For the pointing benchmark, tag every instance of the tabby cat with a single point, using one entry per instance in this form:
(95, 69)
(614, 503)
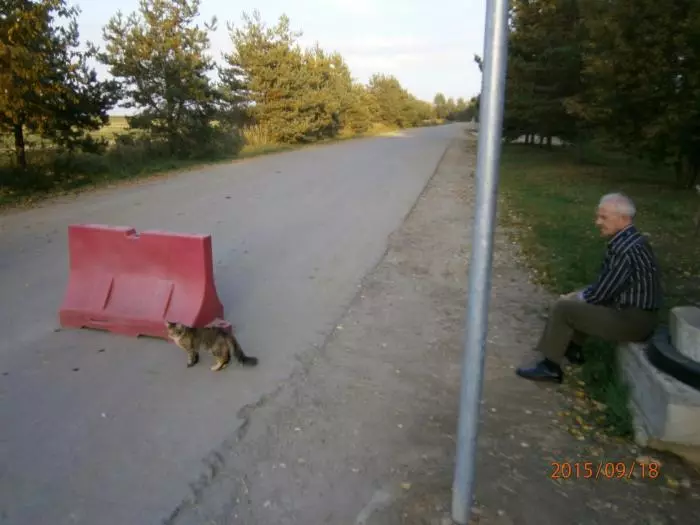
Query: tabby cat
(218, 341)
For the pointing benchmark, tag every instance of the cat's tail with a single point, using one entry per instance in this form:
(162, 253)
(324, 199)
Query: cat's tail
(240, 356)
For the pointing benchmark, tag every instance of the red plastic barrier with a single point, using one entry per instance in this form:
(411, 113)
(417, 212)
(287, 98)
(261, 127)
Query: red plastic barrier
(129, 283)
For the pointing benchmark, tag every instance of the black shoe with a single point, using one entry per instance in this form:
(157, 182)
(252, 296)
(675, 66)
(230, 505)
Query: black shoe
(545, 370)
(574, 354)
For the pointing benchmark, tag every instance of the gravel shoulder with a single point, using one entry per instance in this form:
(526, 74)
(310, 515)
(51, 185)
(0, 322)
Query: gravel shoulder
(364, 432)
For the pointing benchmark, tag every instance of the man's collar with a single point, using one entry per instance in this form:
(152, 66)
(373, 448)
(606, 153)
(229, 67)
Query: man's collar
(622, 234)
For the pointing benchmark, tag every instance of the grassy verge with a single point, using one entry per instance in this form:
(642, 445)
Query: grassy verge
(549, 196)
(51, 175)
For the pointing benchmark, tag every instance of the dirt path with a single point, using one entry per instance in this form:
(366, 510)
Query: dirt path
(365, 432)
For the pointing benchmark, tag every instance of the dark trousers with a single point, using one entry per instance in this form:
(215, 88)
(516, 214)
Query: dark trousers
(574, 320)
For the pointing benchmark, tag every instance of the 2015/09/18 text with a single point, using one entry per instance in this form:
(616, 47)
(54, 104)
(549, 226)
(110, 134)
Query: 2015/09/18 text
(603, 470)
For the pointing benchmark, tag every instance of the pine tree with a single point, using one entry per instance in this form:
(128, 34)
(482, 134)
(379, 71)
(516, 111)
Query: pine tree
(161, 56)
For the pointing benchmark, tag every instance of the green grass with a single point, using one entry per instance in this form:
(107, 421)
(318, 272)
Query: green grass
(550, 197)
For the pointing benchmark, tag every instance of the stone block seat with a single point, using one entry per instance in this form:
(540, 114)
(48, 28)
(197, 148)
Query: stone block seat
(663, 375)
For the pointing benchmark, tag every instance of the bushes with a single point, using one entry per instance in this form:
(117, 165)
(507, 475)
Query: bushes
(131, 155)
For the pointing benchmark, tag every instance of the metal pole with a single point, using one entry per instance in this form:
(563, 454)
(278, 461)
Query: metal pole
(487, 167)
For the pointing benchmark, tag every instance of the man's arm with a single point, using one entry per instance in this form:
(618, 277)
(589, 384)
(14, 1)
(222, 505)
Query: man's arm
(611, 280)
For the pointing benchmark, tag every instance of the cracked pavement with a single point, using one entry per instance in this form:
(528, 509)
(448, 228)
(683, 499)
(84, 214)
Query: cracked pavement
(104, 429)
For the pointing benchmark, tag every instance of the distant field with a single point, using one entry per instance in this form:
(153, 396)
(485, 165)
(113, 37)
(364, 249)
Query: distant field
(116, 124)
(255, 137)
(52, 174)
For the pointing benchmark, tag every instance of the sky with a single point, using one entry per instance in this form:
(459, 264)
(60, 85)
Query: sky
(428, 46)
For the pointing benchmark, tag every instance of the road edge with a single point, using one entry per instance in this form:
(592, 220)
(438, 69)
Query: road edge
(149, 177)
(214, 462)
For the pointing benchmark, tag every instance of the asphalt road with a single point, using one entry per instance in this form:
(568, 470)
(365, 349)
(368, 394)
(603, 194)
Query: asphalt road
(104, 429)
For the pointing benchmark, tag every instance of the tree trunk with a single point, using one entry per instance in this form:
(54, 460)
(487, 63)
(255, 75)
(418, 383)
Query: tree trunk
(678, 170)
(686, 172)
(20, 151)
(697, 217)
(693, 175)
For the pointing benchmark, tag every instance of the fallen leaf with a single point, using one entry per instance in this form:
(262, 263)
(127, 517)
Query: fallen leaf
(646, 460)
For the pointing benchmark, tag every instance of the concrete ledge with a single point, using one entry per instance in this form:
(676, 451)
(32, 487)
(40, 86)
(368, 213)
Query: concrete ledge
(666, 411)
(684, 324)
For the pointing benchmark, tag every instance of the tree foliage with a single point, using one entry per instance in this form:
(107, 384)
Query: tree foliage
(448, 109)
(642, 71)
(395, 105)
(184, 102)
(46, 86)
(266, 68)
(302, 95)
(161, 57)
(543, 69)
(625, 71)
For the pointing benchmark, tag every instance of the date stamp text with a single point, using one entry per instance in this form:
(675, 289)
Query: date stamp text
(604, 470)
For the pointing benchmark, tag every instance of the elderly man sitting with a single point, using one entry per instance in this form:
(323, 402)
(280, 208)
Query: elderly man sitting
(621, 305)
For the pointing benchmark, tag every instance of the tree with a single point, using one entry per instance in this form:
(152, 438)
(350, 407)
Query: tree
(271, 71)
(83, 106)
(423, 110)
(440, 103)
(465, 111)
(393, 102)
(161, 57)
(473, 108)
(355, 108)
(450, 106)
(360, 109)
(300, 95)
(642, 80)
(46, 86)
(544, 65)
(326, 95)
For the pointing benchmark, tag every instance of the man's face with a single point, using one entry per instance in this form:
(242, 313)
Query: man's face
(610, 222)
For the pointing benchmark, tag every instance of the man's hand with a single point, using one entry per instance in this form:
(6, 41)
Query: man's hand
(571, 295)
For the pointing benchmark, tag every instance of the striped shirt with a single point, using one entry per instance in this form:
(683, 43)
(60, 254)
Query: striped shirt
(629, 276)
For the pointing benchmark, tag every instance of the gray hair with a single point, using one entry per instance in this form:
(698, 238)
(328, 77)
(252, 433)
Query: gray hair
(622, 204)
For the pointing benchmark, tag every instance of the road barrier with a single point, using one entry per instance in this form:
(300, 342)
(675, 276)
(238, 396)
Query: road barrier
(129, 283)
